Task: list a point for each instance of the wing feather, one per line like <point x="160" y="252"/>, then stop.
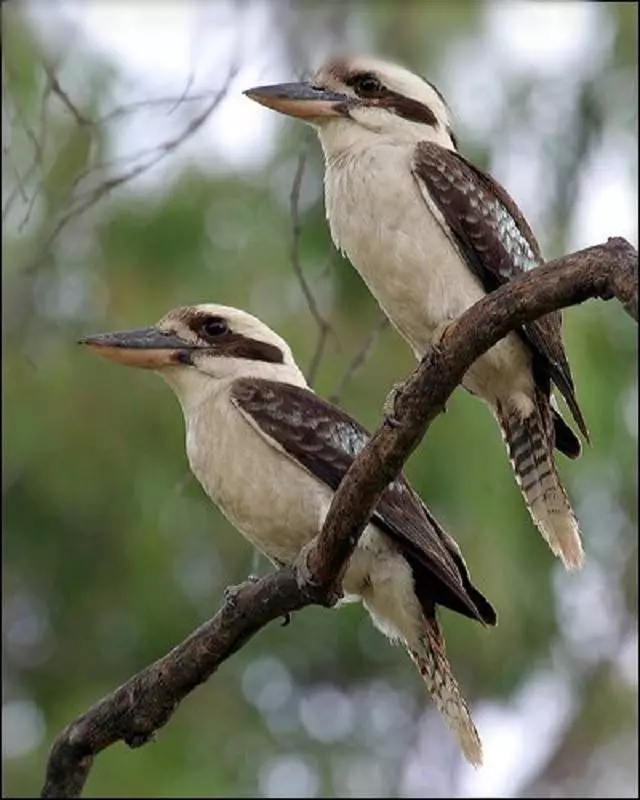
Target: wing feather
<point x="498" y="245"/>
<point x="325" y="440"/>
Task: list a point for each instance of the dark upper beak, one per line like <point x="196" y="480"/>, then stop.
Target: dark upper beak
<point x="301" y="100"/>
<point x="150" y="348"/>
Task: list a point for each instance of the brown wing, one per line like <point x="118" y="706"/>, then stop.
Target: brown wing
<point x="325" y="440"/>
<point x="498" y="245"/>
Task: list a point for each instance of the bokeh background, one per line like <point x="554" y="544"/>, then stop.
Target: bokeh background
<point x="136" y="177"/>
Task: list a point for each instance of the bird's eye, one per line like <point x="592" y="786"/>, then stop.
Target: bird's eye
<point x="214" y="326"/>
<point x="367" y="85"/>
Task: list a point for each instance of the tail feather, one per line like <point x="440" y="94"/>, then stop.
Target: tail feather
<point x="530" y="442"/>
<point x="434" y="668"/>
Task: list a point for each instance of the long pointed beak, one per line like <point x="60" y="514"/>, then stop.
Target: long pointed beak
<point x="301" y="100"/>
<point x="148" y="348"/>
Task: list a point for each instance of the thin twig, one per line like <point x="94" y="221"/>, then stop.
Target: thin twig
<point x="180" y="100"/>
<point x="90" y="197"/>
<point x="64" y="97"/>
<point x="21" y="290"/>
<point x="86" y="200"/>
<point x="137" y="105"/>
<point x="324" y="328"/>
<point x="21" y="180"/>
<point x="134" y="712"/>
<point x="39" y="146"/>
<point x="361" y="357"/>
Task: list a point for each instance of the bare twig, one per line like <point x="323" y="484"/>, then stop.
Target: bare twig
<point x="83" y="201"/>
<point x="185" y="92"/>
<point x="324" y="328"/>
<point x="361" y="357"/>
<point x="87" y="199"/>
<point x="135" y="711"/>
<point x="21" y="180"/>
<point x="137" y="105"/>
<point x="39" y="146"/>
<point x="64" y="98"/>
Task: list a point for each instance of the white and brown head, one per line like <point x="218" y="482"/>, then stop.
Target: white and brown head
<point x="353" y="99"/>
<point x="198" y="348"/>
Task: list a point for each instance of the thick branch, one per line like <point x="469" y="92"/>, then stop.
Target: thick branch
<point x="145" y="703"/>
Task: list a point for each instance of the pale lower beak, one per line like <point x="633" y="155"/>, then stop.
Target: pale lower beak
<point x="148" y="348"/>
<point x="301" y="100"/>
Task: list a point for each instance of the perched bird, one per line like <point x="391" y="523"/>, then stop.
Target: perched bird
<point x="431" y="234"/>
<point x="270" y="453"/>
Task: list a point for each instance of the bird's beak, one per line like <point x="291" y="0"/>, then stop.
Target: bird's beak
<point x="149" y="348"/>
<point x="301" y="100"/>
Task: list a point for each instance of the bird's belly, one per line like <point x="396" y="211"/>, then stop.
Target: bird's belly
<point x="275" y="505"/>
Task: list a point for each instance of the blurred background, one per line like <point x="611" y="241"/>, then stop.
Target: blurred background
<point x="136" y="177"/>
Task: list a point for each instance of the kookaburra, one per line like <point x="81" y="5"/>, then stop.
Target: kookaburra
<point x="431" y="234"/>
<point x="270" y="453"/>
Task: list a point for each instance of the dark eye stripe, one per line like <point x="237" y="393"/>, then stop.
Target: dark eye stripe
<point x="229" y="344"/>
<point x="409" y="109"/>
<point x="404" y="107"/>
<point x="238" y="346"/>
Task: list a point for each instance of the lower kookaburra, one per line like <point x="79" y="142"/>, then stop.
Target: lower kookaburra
<point x="431" y="234"/>
<point x="270" y="453"/>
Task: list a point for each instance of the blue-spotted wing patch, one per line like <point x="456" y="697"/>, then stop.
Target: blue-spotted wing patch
<point x="497" y="243"/>
<point x="325" y="440"/>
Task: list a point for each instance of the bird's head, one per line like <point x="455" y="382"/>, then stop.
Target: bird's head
<point x="196" y="348"/>
<point x="354" y="100"/>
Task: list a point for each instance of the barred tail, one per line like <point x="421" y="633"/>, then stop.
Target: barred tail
<point x="530" y="442"/>
<point x="432" y="664"/>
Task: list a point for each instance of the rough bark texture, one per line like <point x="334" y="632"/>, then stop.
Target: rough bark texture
<point x="137" y="709"/>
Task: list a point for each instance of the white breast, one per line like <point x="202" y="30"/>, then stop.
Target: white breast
<point x="393" y="234"/>
<point x="379" y="220"/>
<point x="275" y="504"/>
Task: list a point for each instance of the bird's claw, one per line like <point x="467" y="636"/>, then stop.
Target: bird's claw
<point x="389" y="406"/>
<point x="135" y="740"/>
<point x="231" y="593"/>
<point x="303" y="573"/>
<point x="439" y="333"/>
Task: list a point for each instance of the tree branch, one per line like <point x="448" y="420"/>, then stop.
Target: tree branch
<point x="361" y="357"/>
<point x="145" y="702"/>
<point x="324" y="328"/>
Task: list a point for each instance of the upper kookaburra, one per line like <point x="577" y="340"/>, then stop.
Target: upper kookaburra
<point x="270" y="453"/>
<point x="431" y="234"/>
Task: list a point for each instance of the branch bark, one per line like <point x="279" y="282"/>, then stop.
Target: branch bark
<point x="137" y="709"/>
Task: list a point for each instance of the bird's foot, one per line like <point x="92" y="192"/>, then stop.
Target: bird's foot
<point x="440" y="331"/>
<point x="231" y="593"/>
<point x="389" y="406"/>
<point x="307" y="582"/>
<point x="286" y="620"/>
<point x="134" y="740"/>
<point x="303" y="573"/>
<point x="436" y="342"/>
